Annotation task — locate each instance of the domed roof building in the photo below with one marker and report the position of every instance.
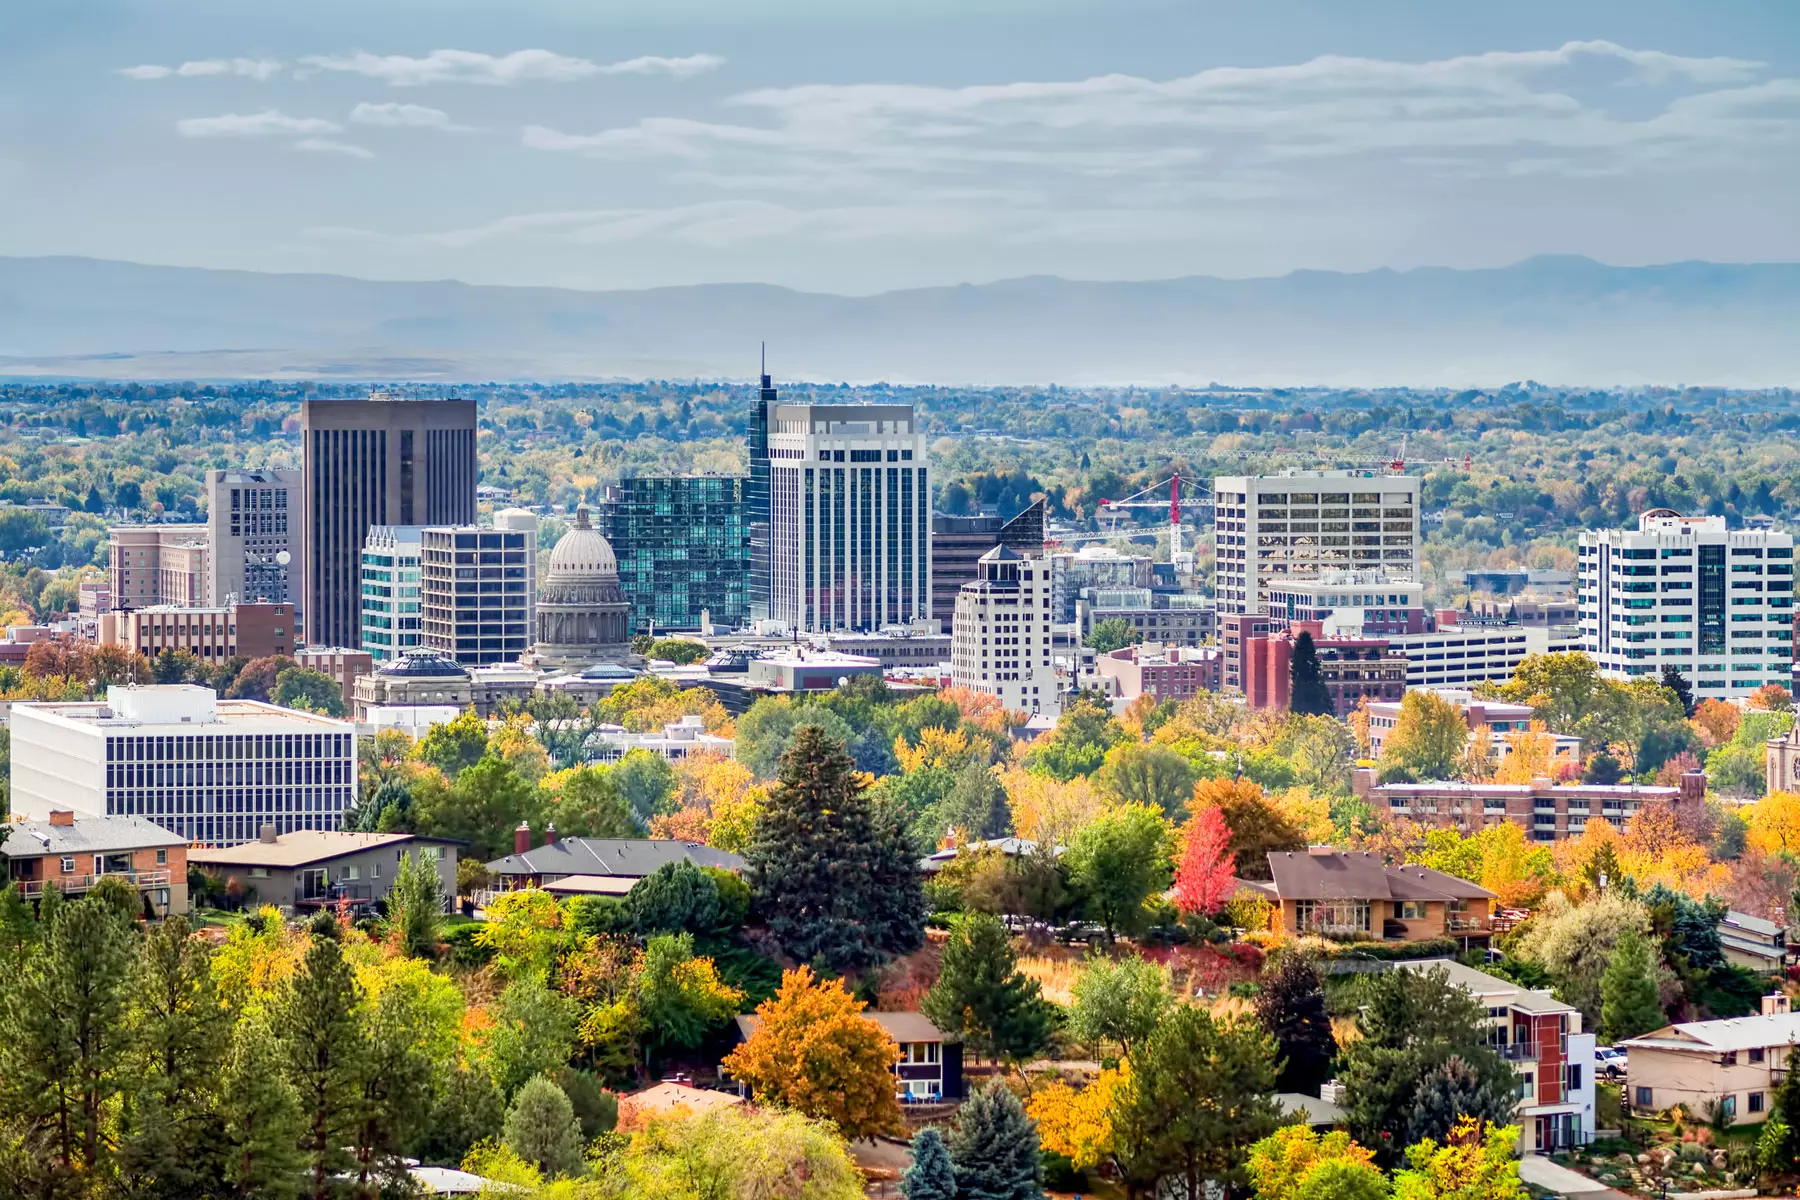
(581, 613)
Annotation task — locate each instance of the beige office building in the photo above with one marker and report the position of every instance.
(158, 564)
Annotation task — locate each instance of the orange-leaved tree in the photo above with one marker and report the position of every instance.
(813, 1052)
(1206, 875)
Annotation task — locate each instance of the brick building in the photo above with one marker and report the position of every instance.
(1547, 813)
(1350, 668)
(212, 634)
(1163, 672)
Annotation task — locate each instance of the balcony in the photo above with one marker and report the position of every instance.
(1519, 1051)
(70, 885)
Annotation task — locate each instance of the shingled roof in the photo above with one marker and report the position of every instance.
(1360, 875)
(630, 857)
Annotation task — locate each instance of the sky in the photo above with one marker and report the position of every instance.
(856, 147)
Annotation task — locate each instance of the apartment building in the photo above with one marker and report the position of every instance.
(1737, 1062)
(158, 564)
(1160, 671)
(1686, 592)
(1546, 812)
(475, 599)
(211, 634)
(1499, 718)
(73, 852)
(1000, 634)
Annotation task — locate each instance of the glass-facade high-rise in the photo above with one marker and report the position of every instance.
(390, 591)
(756, 501)
(683, 548)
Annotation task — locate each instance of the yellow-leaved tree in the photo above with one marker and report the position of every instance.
(1297, 1163)
(1047, 810)
(813, 1052)
(1077, 1123)
(1530, 754)
(1773, 824)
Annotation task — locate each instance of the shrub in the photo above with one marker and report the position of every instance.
(464, 950)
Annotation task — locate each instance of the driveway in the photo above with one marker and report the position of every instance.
(1539, 1171)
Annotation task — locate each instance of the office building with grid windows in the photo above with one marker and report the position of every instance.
(1000, 635)
(390, 591)
(682, 549)
(253, 534)
(1716, 604)
(475, 601)
(212, 771)
(849, 517)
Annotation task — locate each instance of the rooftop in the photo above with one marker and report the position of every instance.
(300, 848)
(1732, 1033)
(174, 706)
(1490, 988)
(1359, 875)
(86, 835)
(629, 857)
(901, 1026)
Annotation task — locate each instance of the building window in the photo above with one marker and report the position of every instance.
(1412, 910)
(1643, 1098)
(68, 866)
(162, 858)
(1729, 1106)
(1756, 1054)
(1728, 1059)
(1332, 916)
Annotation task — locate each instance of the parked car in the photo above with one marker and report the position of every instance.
(1610, 1062)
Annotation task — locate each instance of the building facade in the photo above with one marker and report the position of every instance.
(756, 498)
(1351, 669)
(381, 461)
(1273, 529)
(1000, 633)
(1737, 1062)
(390, 591)
(73, 852)
(343, 665)
(1546, 812)
(475, 604)
(1688, 593)
(682, 549)
(158, 564)
(313, 869)
(1179, 618)
(849, 517)
(253, 536)
(1162, 672)
(210, 634)
(957, 544)
(1078, 574)
(208, 770)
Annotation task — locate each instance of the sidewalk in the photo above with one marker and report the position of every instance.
(1541, 1172)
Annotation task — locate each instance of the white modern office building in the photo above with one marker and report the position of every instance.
(390, 591)
(1272, 529)
(1000, 634)
(849, 517)
(1716, 604)
(213, 771)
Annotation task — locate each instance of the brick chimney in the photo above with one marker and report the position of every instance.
(521, 838)
(1362, 781)
(1693, 787)
(62, 816)
(550, 835)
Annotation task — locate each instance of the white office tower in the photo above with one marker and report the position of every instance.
(1685, 592)
(1273, 528)
(210, 770)
(1000, 634)
(849, 517)
(391, 576)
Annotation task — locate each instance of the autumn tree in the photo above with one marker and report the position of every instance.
(1134, 773)
(1299, 1163)
(813, 1052)
(1258, 827)
(1117, 861)
(1476, 1162)
(1078, 1123)
(1205, 876)
(1426, 741)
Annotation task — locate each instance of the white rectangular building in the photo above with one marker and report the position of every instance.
(1271, 529)
(1686, 592)
(849, 517)
(1000, 634)
(211, 770)
(390, 591)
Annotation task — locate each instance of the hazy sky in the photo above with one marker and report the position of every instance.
(854, 146)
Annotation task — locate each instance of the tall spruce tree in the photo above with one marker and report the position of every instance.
(1291, 1006)
(18, 931)
(260, 1120)
(1446, 1093)
(1629, 1004)
(541, 1129)
(930, 1177)
(994, 1150)
(834, 874)
(982, 998)
(1306, 685)
(1676, 682)
(314, 1017)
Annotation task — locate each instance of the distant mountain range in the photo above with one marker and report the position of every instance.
(1556, 319)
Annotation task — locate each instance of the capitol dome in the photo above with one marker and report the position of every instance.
(582, 615)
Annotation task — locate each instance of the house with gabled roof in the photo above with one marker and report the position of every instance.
(1736, 1061)
(1343, 893)
(595, 866)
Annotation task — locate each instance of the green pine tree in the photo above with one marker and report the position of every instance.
(393, 1081)
(541, 1129)
(466, 1109)
(1446, 1093)
(314, 1017)
(1306, 688)
(260, 1124)
(834, 874)
(982, 998)
(994, 1150)
(1291, 1006)
(416, 905)
(1629, 1005)
(930, 1177)
(18, 931)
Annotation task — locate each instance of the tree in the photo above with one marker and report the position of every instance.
(541, 1129)
(1114, 633)
(1152, 775)
(1291, 1006)
(1306, 690)
(1117, 861)
(175, 665)
(1079, 1124)
(1084, 732)
(465, 1110)
(315, 1019)
(676, 897)
(256, 681)
(457, 745)
(736, 1152)
(1206, 876)
(994, 1148)
(1564, 687)
(982, 998)
(416, 905)
(1427, 738)
(812, 1051)
(645, 781)
(1200, 1096)
(1676, 682)
(834, 875)
(1628, 1000)
(1475, 1163)
(1446, 1092)
(1778, 1148)
(1297, 1163)
(1576, 944)
(483, 807)
(310, 690)
(930, 1176)
(1119, 1000)
(261, 1125)
(679, 651)
(533, 1032)
(1258, 828)
(679, 996)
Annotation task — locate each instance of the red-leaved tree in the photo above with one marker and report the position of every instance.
(1204, 878)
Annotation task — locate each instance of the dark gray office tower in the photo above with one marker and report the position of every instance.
(957, 544)
(679, 541)
(381, 461)
(756, 501)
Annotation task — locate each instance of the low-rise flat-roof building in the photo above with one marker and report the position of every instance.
(1546, 812)
(314, 868)
(210, 770)
(1161, 671)
(74, 851)
(210, 634)
(1498, 717)
(808, 671)
(1737, 1062)
(677, 739)
(1351, 669)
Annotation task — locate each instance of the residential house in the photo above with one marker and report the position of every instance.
(930, 1066)
(1543, 1039)
(74, 851)
(1354, 894)
(1737, 1062)
(1753, 942)
(594, 866)
(316, 868)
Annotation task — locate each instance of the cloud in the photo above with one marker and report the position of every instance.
(326, 145)
(250, 68)
(458, 66)
(268, 123)
(653, 64)
(408, 116)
